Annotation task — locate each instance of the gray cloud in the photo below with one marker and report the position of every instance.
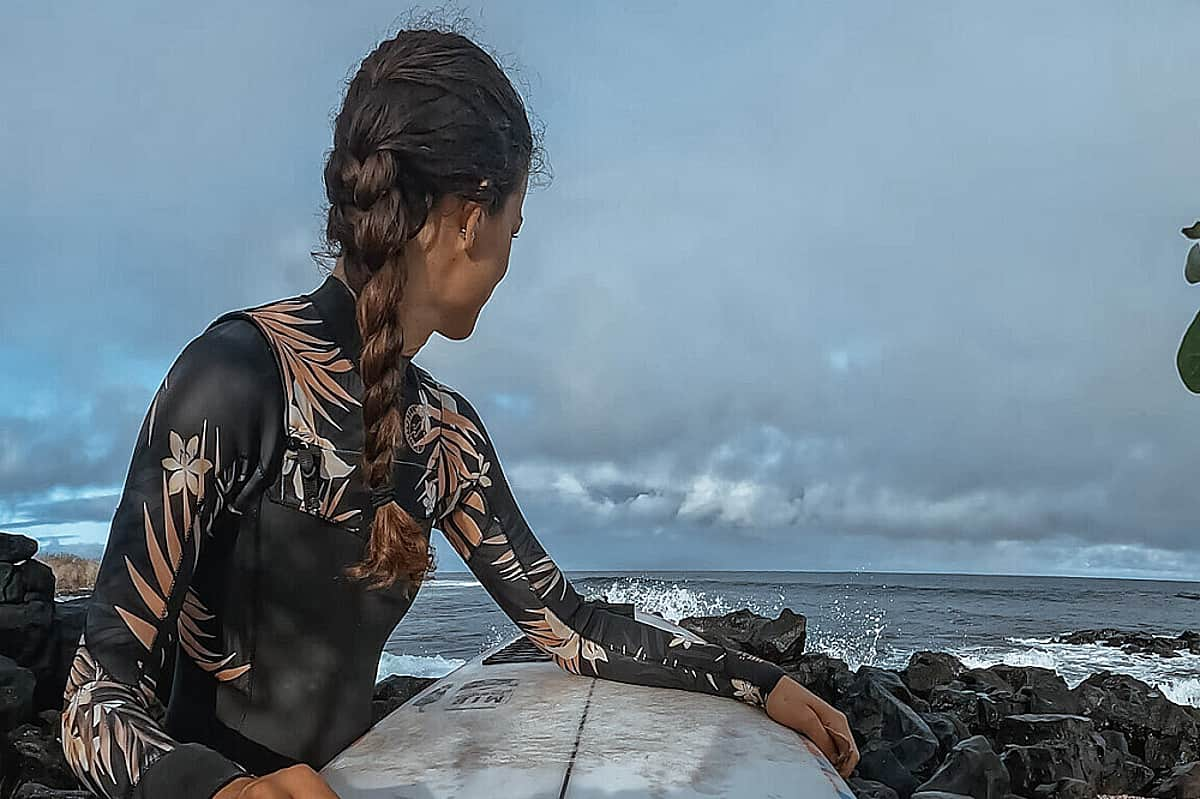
(829, 287)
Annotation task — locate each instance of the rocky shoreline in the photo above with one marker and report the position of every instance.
(939, 730)
(933, 730)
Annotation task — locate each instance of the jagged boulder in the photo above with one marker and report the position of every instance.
(17, 686)
(15, 547)
(1040, 690)
(971, 769)
(826, 676)
(948, 729)
(1043, 748)
(1136, 641)
(733, 630)
(870, 789)
(876, 705)
(928, 669)
(33, 790)
(780, 640)
(1160, 733)
(393, 691)
(34, 753)
(1183, 782)
(1121, 772)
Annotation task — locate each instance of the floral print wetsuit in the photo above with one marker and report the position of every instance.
(222, 638)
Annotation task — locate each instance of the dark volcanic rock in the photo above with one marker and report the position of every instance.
(927, 669)
(878, 714)
(1135, 641)
(32, 790)
(979, 709)
(37, 756)
(732, 630)
(877, 763)
(1161, 733)
(15, 547)
(1034, 728)
(1183, 782)
(393, 691)
(68, 627)
(948, 729)
(1066, 788)
(1121, 772)
(1041, 690)
(24, 629)
(780, 640)
(827, 677)
(1041, 748)
(869, 789)
(17, 686)
(21, 582)
(971, 769)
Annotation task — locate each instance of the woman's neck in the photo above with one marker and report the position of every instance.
(339, 272)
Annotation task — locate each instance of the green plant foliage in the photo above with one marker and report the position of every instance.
(1192, 271)
(1188, 359)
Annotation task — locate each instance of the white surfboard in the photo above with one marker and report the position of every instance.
(512, 724)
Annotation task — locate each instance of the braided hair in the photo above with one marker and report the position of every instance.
(428, 114)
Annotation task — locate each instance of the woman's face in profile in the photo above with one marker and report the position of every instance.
(473, 265)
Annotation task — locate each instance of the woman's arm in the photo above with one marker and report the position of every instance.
(481, 520)
(200, 446)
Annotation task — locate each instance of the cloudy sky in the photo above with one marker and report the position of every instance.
(813, 286)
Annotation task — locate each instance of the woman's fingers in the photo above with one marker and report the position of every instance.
(839, 727)
(793, 705)
(848, 752)
(824, 741)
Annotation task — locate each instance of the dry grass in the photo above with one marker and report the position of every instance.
(71, 572)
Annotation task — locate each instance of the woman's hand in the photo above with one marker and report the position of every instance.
(294, 782)
(793, 705)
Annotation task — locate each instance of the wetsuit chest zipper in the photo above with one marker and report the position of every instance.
(306, 462)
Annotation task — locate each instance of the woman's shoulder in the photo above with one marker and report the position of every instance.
(231, 357)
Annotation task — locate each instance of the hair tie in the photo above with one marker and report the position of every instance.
(382, 495)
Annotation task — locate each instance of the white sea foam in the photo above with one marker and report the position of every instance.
(449, 583)
(416, 665)
(855, 634)
(674, 601)
(1178, 678)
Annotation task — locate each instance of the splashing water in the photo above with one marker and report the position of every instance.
(675, 600)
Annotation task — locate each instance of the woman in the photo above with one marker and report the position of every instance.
(275, 520)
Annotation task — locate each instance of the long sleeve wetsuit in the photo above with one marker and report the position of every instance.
(221, 588)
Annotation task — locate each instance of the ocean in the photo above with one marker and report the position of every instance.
(863, 618)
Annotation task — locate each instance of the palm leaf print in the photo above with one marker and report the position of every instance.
(454, 462)
(107, 732)
(155, 590)
(191, 624)
(462, 532)
(308, 363)
(550, 634)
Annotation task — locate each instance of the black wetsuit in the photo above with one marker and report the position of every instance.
(221, 594)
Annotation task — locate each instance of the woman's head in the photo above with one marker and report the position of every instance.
(432, 149)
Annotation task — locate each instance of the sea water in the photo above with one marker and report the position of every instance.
(863, 618)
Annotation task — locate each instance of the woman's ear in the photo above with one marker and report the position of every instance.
(470, 218)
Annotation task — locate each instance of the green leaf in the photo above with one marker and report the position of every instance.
(1188, 359)
(1192, 270)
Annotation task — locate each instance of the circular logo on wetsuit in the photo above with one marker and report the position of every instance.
(416, 425)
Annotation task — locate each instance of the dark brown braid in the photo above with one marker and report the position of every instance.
(428, 114)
